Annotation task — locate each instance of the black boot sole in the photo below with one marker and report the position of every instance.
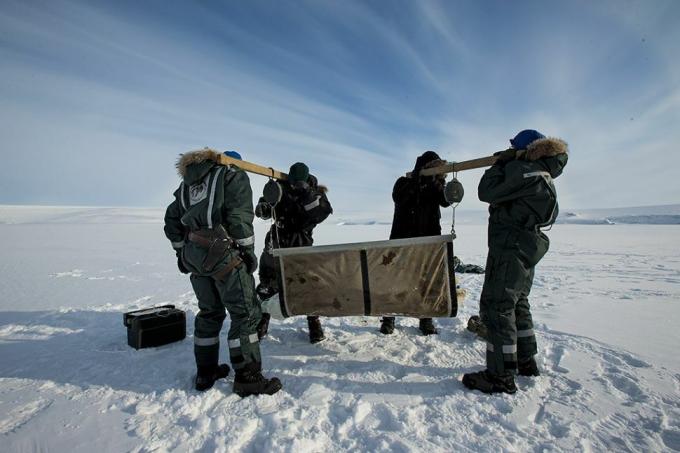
(245, 390)
(472, 383)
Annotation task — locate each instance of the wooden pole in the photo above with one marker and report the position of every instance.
(452, 167)
(253, 168)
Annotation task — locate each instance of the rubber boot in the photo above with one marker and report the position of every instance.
(490, 383)
(249, 381)
(528, 367)
(263, 325)
(387, 325)
(476, 326)
(315, 330)
(206, 376)
(427, 327)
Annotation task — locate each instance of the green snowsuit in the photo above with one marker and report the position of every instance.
(212, 196)
(522, 200)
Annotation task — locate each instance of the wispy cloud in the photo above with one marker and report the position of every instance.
(99, 98)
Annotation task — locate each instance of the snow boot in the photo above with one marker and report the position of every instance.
(315, 330)
(263, 325)
(387, 325)
(490, 383)
(207, 375)
(528, 367)
(476, 326)
(249, 381)
(265, 292)
(427, 327)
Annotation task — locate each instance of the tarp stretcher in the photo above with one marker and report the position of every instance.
(403, 277)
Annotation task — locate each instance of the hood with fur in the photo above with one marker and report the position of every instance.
(424, 159)
(312, 181)
(546, 147)
(552, 153)
(196, 157)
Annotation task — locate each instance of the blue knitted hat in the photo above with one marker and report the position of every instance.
(525, 138)
(233, 155)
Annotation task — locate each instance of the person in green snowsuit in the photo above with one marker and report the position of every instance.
(210, 227)
(522, 197)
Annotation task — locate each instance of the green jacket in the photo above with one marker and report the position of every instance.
(521, 193)
(209, 195)
(522, 197)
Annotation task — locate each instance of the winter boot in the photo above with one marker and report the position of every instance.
(207, 375)
(263, 325)
(265, 292)
(315, 330)
(427, 327)
(528, 367)
(490, 383)
(387, 325)
(476, 326)
(249, 381)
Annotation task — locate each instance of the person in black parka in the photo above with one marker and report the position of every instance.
(417, 202)
(303, 205)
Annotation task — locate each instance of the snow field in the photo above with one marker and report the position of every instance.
(605, 303)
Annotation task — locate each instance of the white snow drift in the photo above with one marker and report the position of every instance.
(606, 302)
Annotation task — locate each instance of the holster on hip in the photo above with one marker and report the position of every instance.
(216, 241)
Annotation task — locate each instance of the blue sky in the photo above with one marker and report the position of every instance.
(98, 98)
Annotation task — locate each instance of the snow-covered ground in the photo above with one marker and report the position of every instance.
(606, 301)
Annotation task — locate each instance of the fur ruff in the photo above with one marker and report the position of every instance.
(546, 147)
(195, 157)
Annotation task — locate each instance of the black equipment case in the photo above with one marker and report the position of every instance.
(155, 326)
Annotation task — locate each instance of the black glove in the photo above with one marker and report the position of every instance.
(505, 156)
(180, 264)
(439, 182)
(301, 186)
(249, 259)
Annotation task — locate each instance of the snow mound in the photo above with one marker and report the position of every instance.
(647, 215)
(78, 215)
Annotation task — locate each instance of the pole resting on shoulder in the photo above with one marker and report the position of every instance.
(452, 167)
(253, 168)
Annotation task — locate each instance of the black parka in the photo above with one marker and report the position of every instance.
(297, 213)
(417, 202)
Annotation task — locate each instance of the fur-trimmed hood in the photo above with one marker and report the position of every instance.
(551, 153)
(546, 147)
(196, 157)
(314, 182)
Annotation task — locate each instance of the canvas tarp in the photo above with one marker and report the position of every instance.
(404, 277)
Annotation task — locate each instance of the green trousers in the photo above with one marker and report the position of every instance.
(236, 295)
(504, 304)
